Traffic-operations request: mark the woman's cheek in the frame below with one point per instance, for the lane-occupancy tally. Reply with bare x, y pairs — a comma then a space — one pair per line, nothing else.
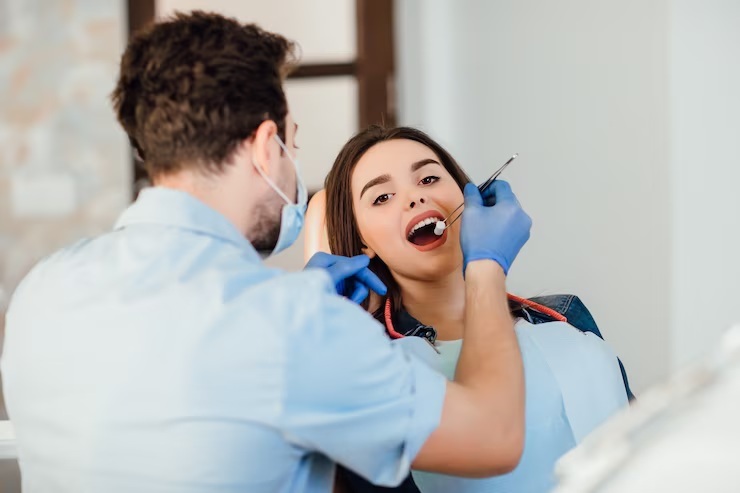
372, 233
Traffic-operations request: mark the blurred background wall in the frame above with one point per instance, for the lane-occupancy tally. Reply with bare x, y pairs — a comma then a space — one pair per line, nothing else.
626, 115
65, 169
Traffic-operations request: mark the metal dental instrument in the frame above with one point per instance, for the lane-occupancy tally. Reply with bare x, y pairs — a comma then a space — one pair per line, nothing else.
442, 225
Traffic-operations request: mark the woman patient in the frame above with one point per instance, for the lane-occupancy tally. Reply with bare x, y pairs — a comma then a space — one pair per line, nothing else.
384, 193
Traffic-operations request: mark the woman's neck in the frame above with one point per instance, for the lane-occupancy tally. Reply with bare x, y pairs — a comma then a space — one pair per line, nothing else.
439, 303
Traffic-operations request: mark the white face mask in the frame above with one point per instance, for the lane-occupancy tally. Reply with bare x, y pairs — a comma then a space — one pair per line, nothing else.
293, 215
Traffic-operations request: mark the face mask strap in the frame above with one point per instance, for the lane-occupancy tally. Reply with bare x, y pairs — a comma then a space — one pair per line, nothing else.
267, 178
284, 148
299, 180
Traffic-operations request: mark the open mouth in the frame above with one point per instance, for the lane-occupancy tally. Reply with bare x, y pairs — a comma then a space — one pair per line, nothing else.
422, 233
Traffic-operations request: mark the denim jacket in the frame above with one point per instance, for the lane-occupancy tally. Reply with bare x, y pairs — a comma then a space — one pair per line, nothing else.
568, 305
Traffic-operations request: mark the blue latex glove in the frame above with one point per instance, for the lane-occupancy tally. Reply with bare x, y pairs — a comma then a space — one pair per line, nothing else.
495, 232
351, 276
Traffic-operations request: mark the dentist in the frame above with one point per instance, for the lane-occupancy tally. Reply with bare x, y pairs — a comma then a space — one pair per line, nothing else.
164, 356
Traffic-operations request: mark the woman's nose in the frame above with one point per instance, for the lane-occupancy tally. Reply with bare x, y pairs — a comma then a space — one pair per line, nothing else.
413, 203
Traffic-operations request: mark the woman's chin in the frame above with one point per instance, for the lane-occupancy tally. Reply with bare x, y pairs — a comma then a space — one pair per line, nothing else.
430, 268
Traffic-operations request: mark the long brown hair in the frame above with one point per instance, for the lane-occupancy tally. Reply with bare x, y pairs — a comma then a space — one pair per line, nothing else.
341, 225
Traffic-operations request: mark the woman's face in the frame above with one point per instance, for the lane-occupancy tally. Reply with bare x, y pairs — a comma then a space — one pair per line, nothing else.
397, 186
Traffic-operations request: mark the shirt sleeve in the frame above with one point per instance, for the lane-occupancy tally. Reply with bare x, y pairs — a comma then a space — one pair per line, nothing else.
352, 395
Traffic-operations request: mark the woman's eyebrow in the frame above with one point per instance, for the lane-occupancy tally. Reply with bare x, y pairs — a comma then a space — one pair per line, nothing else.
375, 181
386, 178
423, 162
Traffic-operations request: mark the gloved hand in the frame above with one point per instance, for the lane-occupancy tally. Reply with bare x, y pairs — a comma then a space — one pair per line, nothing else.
496, 232
351, 276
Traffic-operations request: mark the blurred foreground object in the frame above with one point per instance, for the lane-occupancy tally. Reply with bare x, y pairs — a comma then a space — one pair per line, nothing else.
683, 436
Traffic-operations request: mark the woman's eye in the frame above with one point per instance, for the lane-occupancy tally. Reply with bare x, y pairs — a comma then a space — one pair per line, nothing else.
429, 180
382, 198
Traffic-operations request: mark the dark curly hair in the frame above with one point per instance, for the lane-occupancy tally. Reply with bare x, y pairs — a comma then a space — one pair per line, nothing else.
194, 86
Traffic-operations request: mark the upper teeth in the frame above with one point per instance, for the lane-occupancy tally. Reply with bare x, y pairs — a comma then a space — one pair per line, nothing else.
422, 223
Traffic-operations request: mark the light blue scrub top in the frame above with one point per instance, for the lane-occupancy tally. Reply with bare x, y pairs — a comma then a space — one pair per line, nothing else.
165, 357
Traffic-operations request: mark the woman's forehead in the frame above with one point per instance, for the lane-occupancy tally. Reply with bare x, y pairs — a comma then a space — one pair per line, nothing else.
390, 157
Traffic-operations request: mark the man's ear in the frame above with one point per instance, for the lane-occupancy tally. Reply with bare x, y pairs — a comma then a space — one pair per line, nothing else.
263, 145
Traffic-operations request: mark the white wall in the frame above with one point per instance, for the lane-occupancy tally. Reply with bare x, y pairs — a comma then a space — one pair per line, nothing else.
586, 92
705, 154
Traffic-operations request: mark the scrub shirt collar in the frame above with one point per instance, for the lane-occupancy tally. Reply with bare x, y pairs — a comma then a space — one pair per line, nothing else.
175, 208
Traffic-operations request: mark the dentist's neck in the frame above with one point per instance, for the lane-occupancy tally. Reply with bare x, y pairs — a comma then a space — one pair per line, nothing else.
235, 192
439, 303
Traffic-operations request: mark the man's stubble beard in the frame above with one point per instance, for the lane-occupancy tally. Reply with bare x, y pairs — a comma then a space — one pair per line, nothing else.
266, 231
